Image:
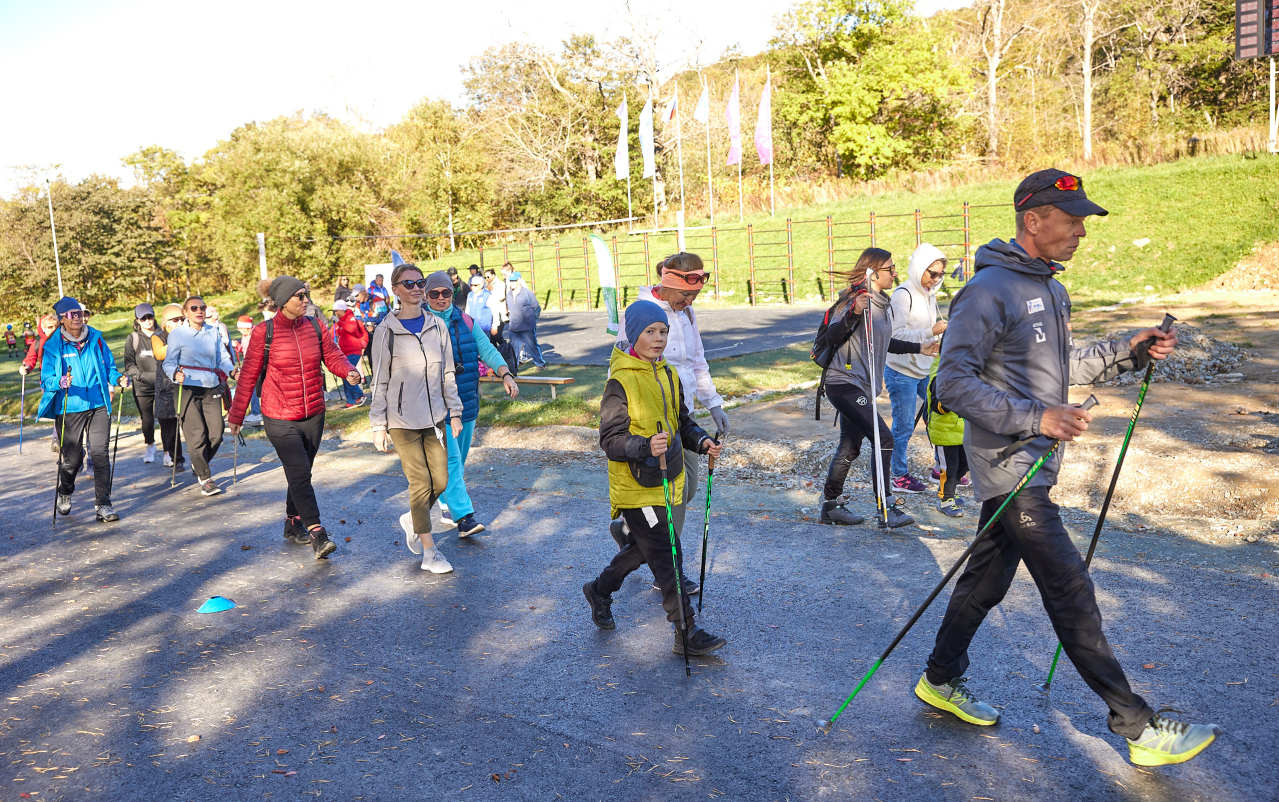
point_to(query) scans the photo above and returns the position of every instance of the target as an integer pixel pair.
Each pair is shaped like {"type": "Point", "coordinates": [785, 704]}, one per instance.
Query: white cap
{"type": "Point", "coordinates": [340, 306]}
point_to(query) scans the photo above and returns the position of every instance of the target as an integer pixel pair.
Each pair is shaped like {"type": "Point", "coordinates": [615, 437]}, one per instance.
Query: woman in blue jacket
{"type": "Point", "coordinates": [470, 345]}
{"type": "Point", "coordinates": [76, 376]}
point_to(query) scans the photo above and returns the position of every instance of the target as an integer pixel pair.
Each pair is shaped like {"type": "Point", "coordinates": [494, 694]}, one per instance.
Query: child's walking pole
{"type": "Point", "coordinates": [706, 526]}
{"type": "Point", "coordinates": [679, 580]}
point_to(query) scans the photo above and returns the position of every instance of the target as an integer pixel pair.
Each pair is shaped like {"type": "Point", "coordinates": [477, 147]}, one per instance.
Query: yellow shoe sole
{"type": "Point", "coordinates": [1141, 756]}
{"type": "Point", "coordinates": [929, 697]}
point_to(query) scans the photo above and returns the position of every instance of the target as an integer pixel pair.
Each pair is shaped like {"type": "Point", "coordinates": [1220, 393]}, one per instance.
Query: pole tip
{"type": "Point", "coordinates": [823, 726]}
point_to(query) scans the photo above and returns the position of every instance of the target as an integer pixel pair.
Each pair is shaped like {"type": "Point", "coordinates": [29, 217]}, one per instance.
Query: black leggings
{"type": "Point", "coordinates": [650, 543]}
{"type": "Point", "coordinates": [855, 421]}
{"type": "Point", "coordinates": [297, 442]}
{"type": "Point", "coordinates": [144, 397]}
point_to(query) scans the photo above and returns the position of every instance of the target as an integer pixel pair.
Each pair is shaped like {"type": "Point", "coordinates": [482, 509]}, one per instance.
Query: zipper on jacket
{"type": "Point", "coordinates": [297, 343]}
{"type": "Point", "coordinates": [426, 373]}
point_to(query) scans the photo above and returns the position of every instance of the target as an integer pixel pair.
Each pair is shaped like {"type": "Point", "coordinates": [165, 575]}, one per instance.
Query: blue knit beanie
{"type": "Point", "coordinates": [639, 316]}
{"type": "Point", "coordinates": [66, 304]}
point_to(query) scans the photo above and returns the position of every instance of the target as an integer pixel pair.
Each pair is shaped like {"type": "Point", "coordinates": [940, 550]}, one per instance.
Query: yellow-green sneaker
{"type": "Point", "coordinates": [954, 697]}
{"type": "Point", "coordinates": [1166, 741]}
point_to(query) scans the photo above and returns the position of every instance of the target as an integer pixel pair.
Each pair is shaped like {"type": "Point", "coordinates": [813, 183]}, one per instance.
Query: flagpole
{"type": "Point", "coordinates": [651, 112]}
{"type": "Point", "coordinates": [679, 147]}
{"type": "Point", "coordinates": [772, 188]}
{"type": "Point", "coordinates": [630, 212]}
{"type": "Point", "coordinates": [710, 191]}
{"type": "Point", "coordinates": [57, 263]}
{"type": "Point", "coordinates": [740, 215]}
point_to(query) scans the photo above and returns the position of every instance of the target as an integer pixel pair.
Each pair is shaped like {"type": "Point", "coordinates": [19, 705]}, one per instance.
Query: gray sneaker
{"type": "Point", "coordinates": [63, 504]}
{"type": "Point", "coordinates": [837, 514]}
{"type": "Point", "coordinates": [1166, 741]}
{"type": "Point", "coordinates": [955, 698]}
{"type": "Point", "coordinates": [105, 514]}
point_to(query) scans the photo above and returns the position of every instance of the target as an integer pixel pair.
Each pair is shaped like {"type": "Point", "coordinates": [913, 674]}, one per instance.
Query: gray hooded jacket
{"type": "Point", "coordinates": [1008, 355]}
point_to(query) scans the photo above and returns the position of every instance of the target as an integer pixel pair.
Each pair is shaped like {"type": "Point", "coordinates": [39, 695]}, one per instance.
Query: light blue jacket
{"type": "Point", "coordinates": [199, 354]}
{"type": "Point", "coordinates": [93, 373]}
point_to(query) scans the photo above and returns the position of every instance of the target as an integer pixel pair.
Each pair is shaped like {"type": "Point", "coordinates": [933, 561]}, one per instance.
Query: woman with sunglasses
{"type": "Point", "coordinates": [915, 319]}
{"type": "Point", "coordinates": [471, 346]}
{"type": "Point", "coordinates": [286, 357]}
{"type": "Point", "coordinates": [77, 375]}
{"type": "Point", "coordinates": [166, 410]}
{"type": "Point", "coordinates": [857, 372]}
{"type": "Point", "coordinates": [197, 360]}
{"type": "Point", "coordinates": [414, 398]}
{"type": "Point", "coordinates": [140, 366]}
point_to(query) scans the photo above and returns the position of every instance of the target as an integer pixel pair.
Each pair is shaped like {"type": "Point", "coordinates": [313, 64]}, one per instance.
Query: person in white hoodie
{"type": "Point", "coordinates": [915, 319]}
{"type": "Point", "coordinates": [682, 277]}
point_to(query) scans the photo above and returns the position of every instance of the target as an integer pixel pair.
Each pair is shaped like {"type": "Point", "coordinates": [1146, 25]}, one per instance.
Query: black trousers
{"type": "Point", "coordinates": [144, 397]}
{"type": "Point", "coordinates": [73, 430]}
{"type": "Point", "coordinates": [856, 420]}
{"type": "Point", "coordinates": [297, 442]}
{"type": "Point", "coordinates": [956, 468]}
{"type": "Point", "coordinates": [1030, 529]}
{"type": "Point", "coordinates": [650, 543]}
{"type": "Point", "coordinates": [201, 415]}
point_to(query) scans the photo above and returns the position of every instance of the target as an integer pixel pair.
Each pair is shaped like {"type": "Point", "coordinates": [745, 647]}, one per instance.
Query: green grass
{"type": "Point", "coordinates": [1201, 216]}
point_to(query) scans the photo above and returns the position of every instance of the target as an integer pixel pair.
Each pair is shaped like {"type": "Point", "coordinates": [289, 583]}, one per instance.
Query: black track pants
{"type": "Point", "coordinates": [1030, 530]}
{"type": "Point", "coordinates": [956, 468]}
{"type": "Point", "coordinates": [297, 442]}
{"type": "Point", "coordinates": [201, 416]}
{"type": "Point", "coordinates": [650, 543]}
{"type": "Point", "coordinates": [72, 429]}
{"type": "Point", "coordinates": [144, 397]}
{"type": "Point", "coordinates": [855, 421]}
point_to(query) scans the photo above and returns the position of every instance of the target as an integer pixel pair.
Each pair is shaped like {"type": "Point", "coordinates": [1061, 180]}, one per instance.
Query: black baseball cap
{"type": "Point", "coordinates": [452, 271]}
{"type": "Point", "coordinates": [1055, 188]}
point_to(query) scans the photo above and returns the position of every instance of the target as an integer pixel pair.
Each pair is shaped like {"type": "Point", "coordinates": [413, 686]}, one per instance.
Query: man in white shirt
{"type": "Point", "coordinates": [682, 278]}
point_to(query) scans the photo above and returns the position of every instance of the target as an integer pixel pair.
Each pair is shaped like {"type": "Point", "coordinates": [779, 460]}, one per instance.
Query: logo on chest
{"type": "Point", "coordinates": [1034, 305]}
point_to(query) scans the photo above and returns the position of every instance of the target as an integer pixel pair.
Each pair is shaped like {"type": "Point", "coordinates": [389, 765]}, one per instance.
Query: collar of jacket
{"type": "Point", "coordinates": [1012, 256]}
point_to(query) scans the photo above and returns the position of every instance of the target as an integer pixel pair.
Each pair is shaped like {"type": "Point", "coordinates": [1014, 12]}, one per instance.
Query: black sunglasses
{"type": "Point", "coordinates": [437, 294]}
{"type": "Point", "coordinates": [302, 295]}
{"type": "Point", "coordinates": [413, 283]}
{"type": "Point", "coordinates": [147, 317]}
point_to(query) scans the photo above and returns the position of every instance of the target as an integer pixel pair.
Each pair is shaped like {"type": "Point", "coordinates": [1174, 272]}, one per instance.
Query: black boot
{"type": "Point", "coordinates": [320, 542]}
{"type": "Point", "coordinates": [294, 532]}
{"type": "Point", "coordinates": [837, 514]}
{"type": "Point", "coordinates": [897, 516]}
{"type": "Point", "coordinates": [699, 642]}
{"type": "Point", "coordinates": [601, 606]}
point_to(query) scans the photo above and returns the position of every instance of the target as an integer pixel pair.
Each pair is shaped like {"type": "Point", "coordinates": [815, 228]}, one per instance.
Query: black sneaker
{"type": "Point", "coordinates": [601, 606]}
{"type": "Point", "coordinates": [294, 531]}
{"type": "Point", "coordinates": [63, 504]}
{"type": "Point", "coordinates": [105, 514]}
{"type": "Point", "coordinates": [897, 517]}
{"type": "Point", "coordinates": [699, 642]}
{"type": "Point", "coordinates": [467, 526]}
{"type": "Point", "coordinates": [320, 542]}
{"type": "Point", "coordinates": [837, 514]}
{"type": "Point", "coordinates": [620, 536]}
{"type": "Point", "coordinates": [691, 588]}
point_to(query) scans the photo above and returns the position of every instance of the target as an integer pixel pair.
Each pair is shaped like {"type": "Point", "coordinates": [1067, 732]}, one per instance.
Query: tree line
{"type": "Point", "coordinates": [863, 89]}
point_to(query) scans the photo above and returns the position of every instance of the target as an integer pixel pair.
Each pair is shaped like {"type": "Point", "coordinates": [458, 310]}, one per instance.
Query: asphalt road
{"type": "Point", "coordinates": [579, 338]}
{"type": "Point", "coordinates": [362, 677]}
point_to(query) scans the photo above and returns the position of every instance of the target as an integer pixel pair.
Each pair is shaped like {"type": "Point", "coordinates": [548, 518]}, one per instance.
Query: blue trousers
{"type": "Point", "coordinates": [902, 391]}
{"type": "Point", "coordinates": [455, 495]}
{"type": "Point", "coordinates": [352, 392]}
{"type": "Point", "coordinates": [526, 342]}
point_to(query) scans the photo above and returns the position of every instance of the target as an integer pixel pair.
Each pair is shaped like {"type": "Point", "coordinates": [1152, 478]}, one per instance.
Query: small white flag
{"type": "Point", "coordinates": [622, 158]}
{"type": "Point", "coordinates": [703, 111]}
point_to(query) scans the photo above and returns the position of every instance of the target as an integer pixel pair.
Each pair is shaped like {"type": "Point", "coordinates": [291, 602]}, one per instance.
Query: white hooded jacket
{"type": "Point", "coordinates": [915, 312]}
{"type": "Point", "coordinates": [684, 351]}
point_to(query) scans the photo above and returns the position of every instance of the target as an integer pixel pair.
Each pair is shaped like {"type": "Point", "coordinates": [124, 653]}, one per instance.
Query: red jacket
{"type": "Point", "coordinates": [353, 338]}
{"type": "Point", "coordinates": [294, 385]}
{"type": "Point", "coordinates": [36, 352]}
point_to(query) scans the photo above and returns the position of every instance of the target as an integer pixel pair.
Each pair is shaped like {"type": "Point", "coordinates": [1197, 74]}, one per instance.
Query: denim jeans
{"type": "Point", "coordinates": [902, 391]}
{"type": "Point", "coordinates": [352, 392]}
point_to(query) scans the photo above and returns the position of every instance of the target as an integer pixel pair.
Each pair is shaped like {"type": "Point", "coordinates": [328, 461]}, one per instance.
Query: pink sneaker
{"type": "Point", "coordinates": [908, 484]}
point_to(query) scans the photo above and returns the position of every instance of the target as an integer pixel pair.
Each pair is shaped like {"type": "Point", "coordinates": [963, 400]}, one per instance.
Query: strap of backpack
{"type": "Point", "coordinates": [267, 336]}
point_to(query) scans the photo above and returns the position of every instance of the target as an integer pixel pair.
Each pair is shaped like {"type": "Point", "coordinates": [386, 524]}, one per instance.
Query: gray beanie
{"type": "Point", "coordinates": [439, 280]}
{"type": "Point", "coordinates": [283, 288]}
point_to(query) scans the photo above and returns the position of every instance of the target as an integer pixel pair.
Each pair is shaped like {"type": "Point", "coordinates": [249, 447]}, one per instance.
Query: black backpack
{"type": "Point", "coordinates": [266, 349]}
{"type": "Point", "coordinates": [832, 333]}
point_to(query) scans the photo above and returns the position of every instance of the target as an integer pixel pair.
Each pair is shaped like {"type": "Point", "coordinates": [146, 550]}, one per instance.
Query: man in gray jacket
{"type": "Point", "coordinates": [1006, 363]}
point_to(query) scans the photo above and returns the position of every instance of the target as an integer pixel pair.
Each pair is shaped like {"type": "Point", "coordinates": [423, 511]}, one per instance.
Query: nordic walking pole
{"type": "Point", "coordinates": [235, 462]}
{"type": "Point", "coordinates": [679, 580]}
{"type": "Point", "coordinates": [877, 467]}
{"type": "Point", "coordinates": [22, 411]}
{"type": "Point", "coordinates": [954, 569]}
{"type": "Point", "coordinates": [62, 436]}
{"type": "Point", "coordinates": [706, 526]}
{"type": "Point", "coordinates": [173, 471]}
{"type": "Point", "coordinates": [115, 446]}
{"type": "Point", "coordinates": [1165, 326]}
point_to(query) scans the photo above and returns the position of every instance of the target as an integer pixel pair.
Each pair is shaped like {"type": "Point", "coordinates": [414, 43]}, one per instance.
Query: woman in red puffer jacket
{"type": "Point", "coordinates": [292, 399]}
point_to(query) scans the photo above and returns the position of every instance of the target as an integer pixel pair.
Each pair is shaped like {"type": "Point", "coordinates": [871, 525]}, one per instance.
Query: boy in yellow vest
{"type": "Point", "coordinates": [640, 411]}
{"type": "Point", "coordinates": [946, 429]}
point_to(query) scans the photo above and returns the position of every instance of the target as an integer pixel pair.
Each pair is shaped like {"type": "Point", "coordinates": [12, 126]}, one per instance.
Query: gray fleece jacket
{"type": "Point", "coordinates": [1007, 356]}
{"type": "Point", "coordinates": [850, 365]}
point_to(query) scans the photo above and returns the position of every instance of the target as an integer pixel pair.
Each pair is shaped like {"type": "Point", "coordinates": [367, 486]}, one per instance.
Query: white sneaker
{"type": "Point", "coordinates": [410, 537]}
{"type": "Point", "coordinates": [435, 563]}
{"type": "Point", "coordinates": [150, 455]}
{"type": "Point", "coordinates": [168, 460]}
{"type": "Point", "coordinates": [445, 515]}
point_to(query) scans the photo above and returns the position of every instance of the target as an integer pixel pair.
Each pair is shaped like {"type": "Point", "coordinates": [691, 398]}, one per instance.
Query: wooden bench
{"type": "Point", "coordinates": [550, 381]}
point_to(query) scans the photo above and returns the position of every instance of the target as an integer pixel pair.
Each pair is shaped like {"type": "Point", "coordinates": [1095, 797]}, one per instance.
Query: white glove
{"type": "Point", "coordinates": [721, 420]}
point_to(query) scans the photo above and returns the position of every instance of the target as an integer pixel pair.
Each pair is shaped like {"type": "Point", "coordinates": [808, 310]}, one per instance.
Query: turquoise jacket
{"type": "Point", "coordinates": [93, 373]}
{"type": "Point", "coordinates": [465, 350]}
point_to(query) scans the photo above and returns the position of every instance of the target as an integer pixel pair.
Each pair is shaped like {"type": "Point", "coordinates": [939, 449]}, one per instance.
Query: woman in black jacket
{"type": "Point", "coordinates": [141, 367]}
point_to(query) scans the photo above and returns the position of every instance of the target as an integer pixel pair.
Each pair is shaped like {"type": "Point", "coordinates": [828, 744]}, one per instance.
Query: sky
{"type": "Point", "coordinates": [88, 82]}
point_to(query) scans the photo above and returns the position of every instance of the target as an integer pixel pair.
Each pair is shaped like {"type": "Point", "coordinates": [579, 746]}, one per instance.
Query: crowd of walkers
{"type": "Point", "coordinates": [990, 383]}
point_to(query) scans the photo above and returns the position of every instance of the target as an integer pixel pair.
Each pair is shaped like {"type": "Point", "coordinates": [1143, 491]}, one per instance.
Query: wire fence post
{"type": "Point", "coordinates": [830, 258]}
{"type": "Point", "coordinates": [586, 272]}
{"type": "Point", "coordinates": [963, 268]}
{"type": "Point", "coordinates": [532, 273]}
{"type": "Point", "coordinates": [648, 267]}
{"type": "Point", "coordinates": [790, 263]}
{"type": "Point", "coordinates": [559, 276]}
{"type": "Point", "coordinates": [715, 259]}
{"type": "Point", "coordinates": [872, 229]}
{"type": "Point", "coordinates": [918, 229]}
{"type": "Point", "coordinates": [506, 257]}
{"type": "Point", "coordinates": [750, 259]}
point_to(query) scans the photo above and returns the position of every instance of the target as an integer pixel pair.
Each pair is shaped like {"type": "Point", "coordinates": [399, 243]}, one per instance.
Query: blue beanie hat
{"type": "Point", "coordinates": [66, 304]}
{"type": "Point", "coordinates": [639, 316]}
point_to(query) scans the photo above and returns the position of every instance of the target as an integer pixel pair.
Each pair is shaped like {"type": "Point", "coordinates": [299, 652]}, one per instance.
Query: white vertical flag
{"type": "Point", "coordinates": [622, 158]}
{"type": "Point", "coordinates": [733, 115]}
{"type": "Point", "coordinates": [646, 138]}
{"type": "Point", "coordinates": [764, 124]}
{"type": "Point", "coordinates": [702, 113]}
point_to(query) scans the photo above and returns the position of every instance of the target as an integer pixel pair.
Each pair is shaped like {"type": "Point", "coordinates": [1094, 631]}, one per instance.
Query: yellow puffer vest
{"type": "Point", "coordinates": [944, 428]}
{"type": "Point", "coordinates": [644, 405]}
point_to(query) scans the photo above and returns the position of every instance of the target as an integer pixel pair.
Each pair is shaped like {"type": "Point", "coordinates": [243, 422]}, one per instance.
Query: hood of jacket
{"type": "Point", "coordinates": [920, 260]}
{"type": "Point", "coordinates": [1012, 256]}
